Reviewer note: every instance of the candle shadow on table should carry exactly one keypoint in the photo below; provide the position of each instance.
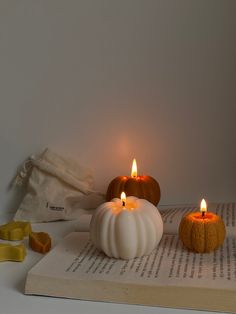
(20, 285)
(23, 268)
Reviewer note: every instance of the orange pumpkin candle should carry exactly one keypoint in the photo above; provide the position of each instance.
(202, 231)
(144, 187)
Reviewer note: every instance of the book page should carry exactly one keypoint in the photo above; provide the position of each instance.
(170, 264)
(172, 216)
(227, 211)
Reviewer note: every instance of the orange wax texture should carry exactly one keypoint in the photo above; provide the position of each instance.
(144, 187)
(15, 230)
(202, 234)
(40, 242)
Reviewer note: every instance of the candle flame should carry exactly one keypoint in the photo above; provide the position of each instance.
(123, 198)
(203, 207)
(134, 172)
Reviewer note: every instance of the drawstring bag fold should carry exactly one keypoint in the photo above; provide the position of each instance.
(56, 188)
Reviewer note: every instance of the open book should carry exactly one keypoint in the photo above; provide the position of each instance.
(170, 276)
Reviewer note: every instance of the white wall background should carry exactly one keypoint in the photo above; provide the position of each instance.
(108, 80)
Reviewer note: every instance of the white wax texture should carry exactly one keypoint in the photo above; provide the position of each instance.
(126, 231)
(116, 204)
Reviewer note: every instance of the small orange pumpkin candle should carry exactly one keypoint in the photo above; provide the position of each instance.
(202, 231)
(145, 187)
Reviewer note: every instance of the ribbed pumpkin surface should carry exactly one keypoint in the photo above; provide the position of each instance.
(142, 187)
(202, 235)
(126, 234)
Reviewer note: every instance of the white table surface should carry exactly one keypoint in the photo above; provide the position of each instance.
(13, 275)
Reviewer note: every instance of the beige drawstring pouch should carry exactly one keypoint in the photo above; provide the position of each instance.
(56, 188)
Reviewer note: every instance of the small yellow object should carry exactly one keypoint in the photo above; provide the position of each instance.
(9, 252)
(15, 230)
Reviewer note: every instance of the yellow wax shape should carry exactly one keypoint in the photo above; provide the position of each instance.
(15, 230)
(9, 252)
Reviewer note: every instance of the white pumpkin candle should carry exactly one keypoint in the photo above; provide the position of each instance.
(126, 228)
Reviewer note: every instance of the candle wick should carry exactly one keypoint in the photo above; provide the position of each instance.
(203, 214)
(123, 203)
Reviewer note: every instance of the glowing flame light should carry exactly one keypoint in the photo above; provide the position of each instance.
(134, 172)
(203, 207)
(123, 198)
